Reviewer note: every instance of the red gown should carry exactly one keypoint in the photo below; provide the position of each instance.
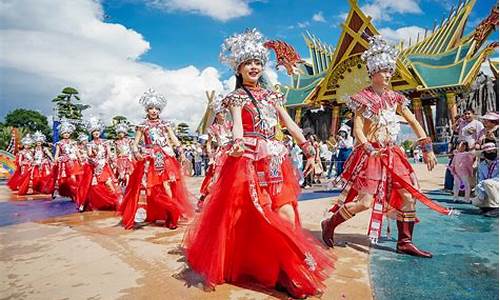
(21, 179)
(93, 193)
(239, 237)
(145, 196)
(124, 162)
(42, 172)
(385, 174)
(68, 169)
(222, 134)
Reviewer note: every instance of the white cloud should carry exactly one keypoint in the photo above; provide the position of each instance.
(222, 10)
(318, 17)
(303, 24)
(384, 9)
(100, 59)
(402, 34)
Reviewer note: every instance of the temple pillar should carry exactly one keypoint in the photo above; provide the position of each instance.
(298, 115)
(430, 123)
(335, 120)
(417, 111)
(442, 121)
(452, 106)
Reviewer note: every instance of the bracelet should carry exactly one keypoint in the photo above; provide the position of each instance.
(425, 144)
(308, 149)
(369, 148)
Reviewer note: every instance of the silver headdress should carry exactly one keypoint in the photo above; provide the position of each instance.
(121, 127)
(66, 127)
(94, 124)
(380, 56)
(82, 137)
(216, 104)
(38, 136)
(27, 140)
(242, 47)
(151, 98)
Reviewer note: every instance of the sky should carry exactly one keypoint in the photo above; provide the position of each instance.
(112, 51)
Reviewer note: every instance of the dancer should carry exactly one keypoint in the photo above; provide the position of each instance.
(67, 158)
(124, 159)
(21, 179)
(42, 172)
(156, 189)
(83, 140)
(378, 174)
(249, 231)
(97, 190)
(220, 133)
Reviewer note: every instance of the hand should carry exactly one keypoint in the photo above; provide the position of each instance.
(236, 150)
(430, 160)
(310, 164)
(138, 156)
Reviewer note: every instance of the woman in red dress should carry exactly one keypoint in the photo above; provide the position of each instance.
(219, 132)
(249, 231)
(156, 190)
(42, 172)
(97, 189)
(377, 174)
(124, 160)
(68, 168)
(21, 179)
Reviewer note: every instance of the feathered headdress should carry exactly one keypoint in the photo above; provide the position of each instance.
(380, 56)
(121, 127)
(94, 124)
(66, 127)
(38, 136)
(151, 98)
(27, 140)
(242, 47)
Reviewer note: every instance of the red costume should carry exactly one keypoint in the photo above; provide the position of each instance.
(222, 135)
(94, 190)
(145, 197)
(239, 236)
(124, 162)
(21, 179)
(68, 169)
(42, 171)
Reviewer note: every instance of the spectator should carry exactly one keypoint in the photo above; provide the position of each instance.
(489, 134)
(297, 160)
(197, 158)
(324, 154)
(344, 143)
(318, 169)
(487, 187)
(416, 155)
(461, 168)
(470, 130)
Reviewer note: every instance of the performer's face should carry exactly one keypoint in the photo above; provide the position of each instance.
(251, 70)
(121, 135)
(65, 135)
(220, 116)
(382, 78)
(96, 134)
(38, 143)
(27, 146)
(153, 112)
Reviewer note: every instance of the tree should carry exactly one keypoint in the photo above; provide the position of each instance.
(67, 108)
(30, 120)
(109, 131)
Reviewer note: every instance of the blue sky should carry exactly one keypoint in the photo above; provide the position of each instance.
(114, 50)
(180, 38)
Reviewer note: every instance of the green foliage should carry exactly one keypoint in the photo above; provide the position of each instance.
(407, 145)
(6, 134)
(28, 120)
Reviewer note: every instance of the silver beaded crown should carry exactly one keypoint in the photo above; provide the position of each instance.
(242, 47)
(380, 56)
(27, 140)
(151, 98)
(121, 127)
(82, 137)
(94, 124)
(66, 127)
(38, 136)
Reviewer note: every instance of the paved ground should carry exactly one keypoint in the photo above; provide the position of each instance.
(88, 256)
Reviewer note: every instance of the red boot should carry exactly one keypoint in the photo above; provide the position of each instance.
(328, 226)
(405, 244)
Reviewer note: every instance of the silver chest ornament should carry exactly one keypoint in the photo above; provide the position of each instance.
(269, 118)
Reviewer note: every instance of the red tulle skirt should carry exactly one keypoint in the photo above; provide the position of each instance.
(43, 179)
(93, 192)
(214, 169)
(124, 166)
(157, 203)
(20, 180)
(13, 182)
(207, 180)
(68, 178)
(240, 238)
